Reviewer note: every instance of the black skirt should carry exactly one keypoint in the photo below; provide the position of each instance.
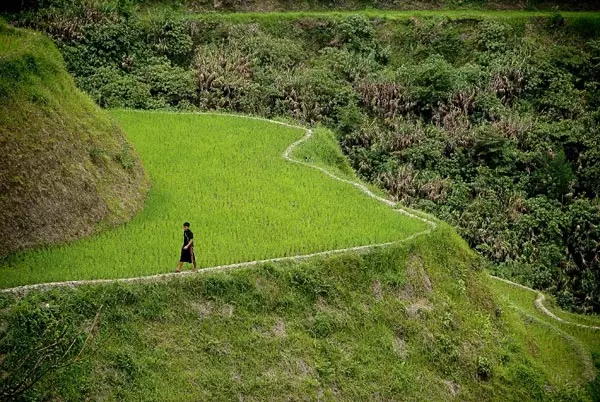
(186, 255)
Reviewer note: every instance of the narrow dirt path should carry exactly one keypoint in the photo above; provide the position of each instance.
(539, 304)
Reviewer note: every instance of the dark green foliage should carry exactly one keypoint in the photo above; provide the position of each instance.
(172, 85)
(484, 368)
(172, 39)
(38, 343)
(493, 37)
(111, 87)
(424, 37)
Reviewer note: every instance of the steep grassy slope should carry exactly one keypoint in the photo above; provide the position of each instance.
(557, 336)
(227, 176)
(412, 322)
(66, 168)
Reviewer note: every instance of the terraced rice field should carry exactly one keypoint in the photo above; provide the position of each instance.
(228, 177)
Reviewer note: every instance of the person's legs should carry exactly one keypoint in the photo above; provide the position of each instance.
(194, 260)
(178, 269)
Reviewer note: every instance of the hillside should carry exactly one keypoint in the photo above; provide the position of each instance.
(315, 286)
(410, 322)
(415, 320)
(488, 120)
(66, 170)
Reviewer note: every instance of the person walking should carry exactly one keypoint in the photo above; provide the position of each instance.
(187, 250)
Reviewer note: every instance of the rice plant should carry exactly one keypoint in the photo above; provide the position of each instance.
(226, 175)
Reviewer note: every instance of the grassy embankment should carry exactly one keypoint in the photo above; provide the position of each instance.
(556, 336)
(411, 322)
(66, 169)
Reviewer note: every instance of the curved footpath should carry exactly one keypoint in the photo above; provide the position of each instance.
(539, 304)
(20, 290)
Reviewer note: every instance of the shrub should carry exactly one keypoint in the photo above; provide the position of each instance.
(271, 52)
(556, 20)
(346, 65)
(171, 38)
(493, 36)
(170, 84)
(435, 81)
(583, 243)
(350, 117)
(312, 95)
(553, 176)
(589, 159)
(223, 77)
(355, 33)
(111, 45)
(429, 36)
(386, 100)
(484, 368)
(38, 342)
(111, 87)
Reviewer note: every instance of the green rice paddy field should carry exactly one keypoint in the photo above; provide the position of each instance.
(227, 176)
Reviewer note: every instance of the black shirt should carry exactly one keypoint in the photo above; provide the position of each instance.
(187, 236)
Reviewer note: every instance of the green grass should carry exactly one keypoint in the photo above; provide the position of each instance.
(585, 319)
(275, 17)
(225, 175)
(324, 151)
(349, 327)
(558, 359)
(525, 300)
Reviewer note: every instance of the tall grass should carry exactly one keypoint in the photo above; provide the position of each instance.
(225, 175)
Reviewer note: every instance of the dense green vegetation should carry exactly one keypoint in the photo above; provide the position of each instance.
(66, 170)
(410, 322)
(312, 5)
(418, 320)
(489, 123)
(226, 175)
